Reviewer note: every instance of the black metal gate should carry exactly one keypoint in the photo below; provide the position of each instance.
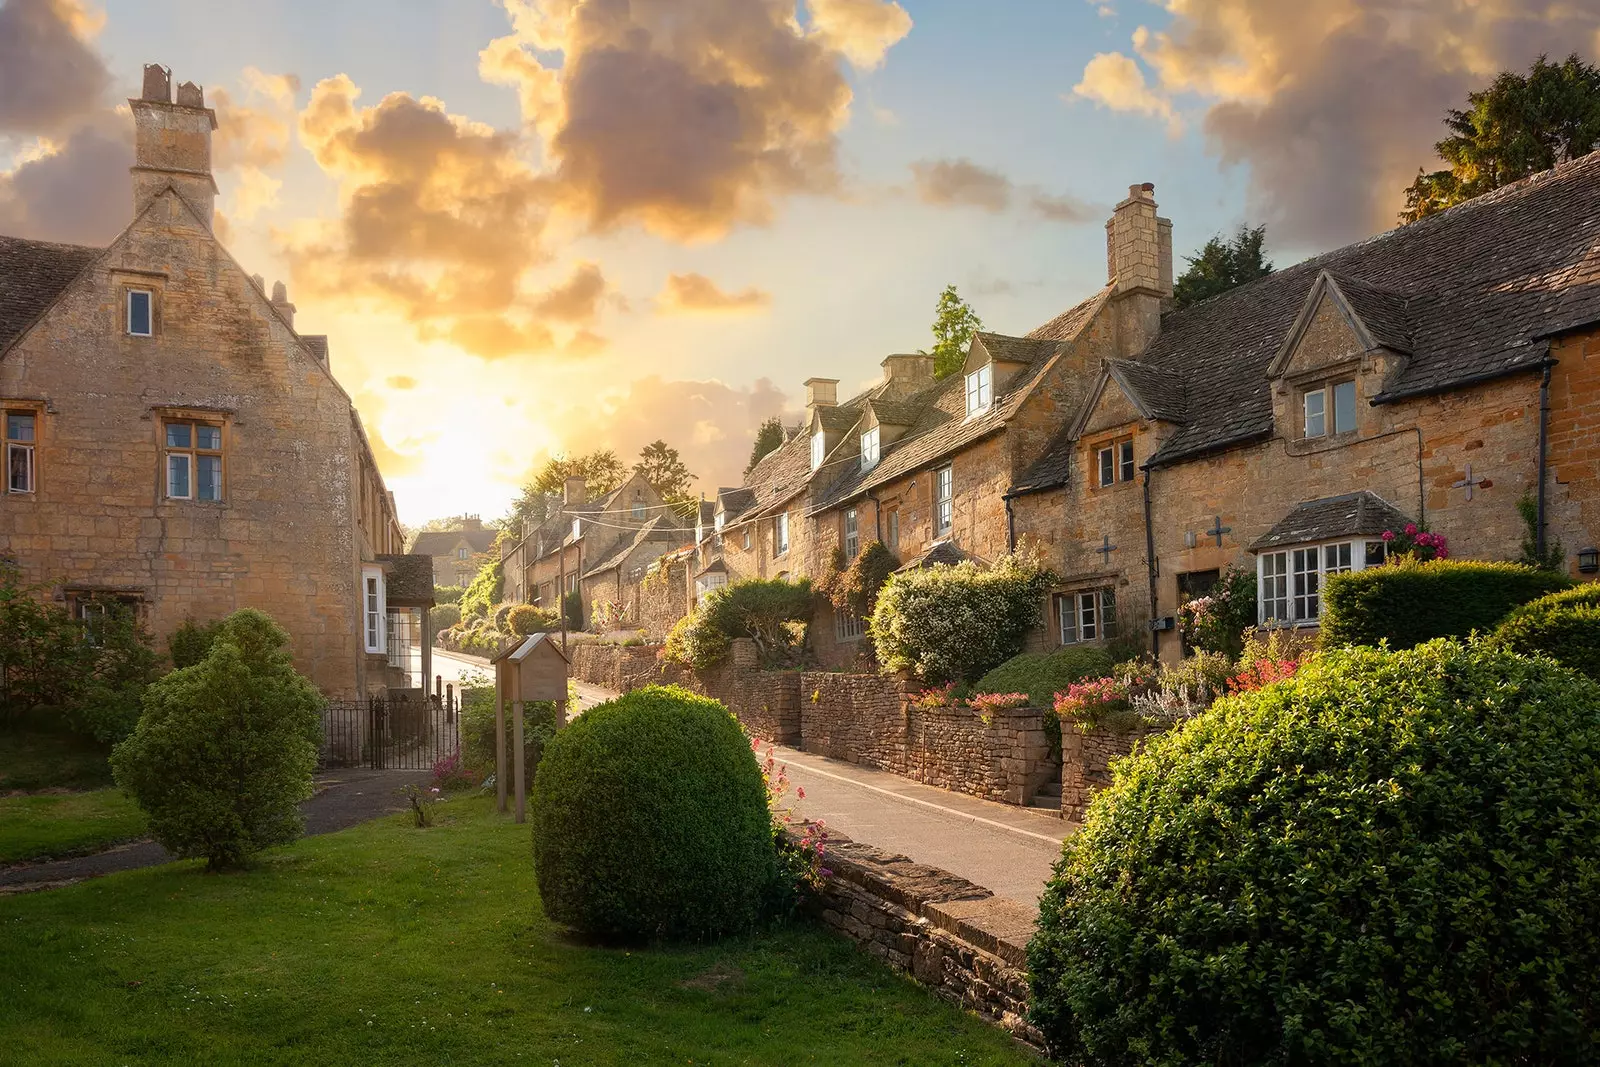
(404, 731)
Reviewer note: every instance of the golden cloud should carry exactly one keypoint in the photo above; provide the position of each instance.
(50, 78)
(1334, 104)
(688, 294)
(963, 183)
(861, 30)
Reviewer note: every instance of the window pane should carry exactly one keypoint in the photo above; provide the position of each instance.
(1375, 553)
(1344, 407)
(1336, 558)
(178, 435)
(1087, 617)
(19, 468)
(19, 427)
(894, 529)
(1316, 421)
(138, 312)
(208, 437)
(1126, 457)
(1307, 583)
(210, 477)
(178, 477)
(1274, 593)
(1067, 613)
(1107, 466)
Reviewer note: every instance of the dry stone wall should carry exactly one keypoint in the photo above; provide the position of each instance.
(1086, 759)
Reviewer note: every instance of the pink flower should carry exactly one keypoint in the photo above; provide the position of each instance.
(1443, 553)
(1411, 529)
(1388, 535)
(800, 791)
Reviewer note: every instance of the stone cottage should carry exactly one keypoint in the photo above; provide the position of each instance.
(173, 442)
(458, 553)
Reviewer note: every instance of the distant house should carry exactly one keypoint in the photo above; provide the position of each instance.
(458, 554)
(173, 442)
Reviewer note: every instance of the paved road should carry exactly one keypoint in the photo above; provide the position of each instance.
(344, 798)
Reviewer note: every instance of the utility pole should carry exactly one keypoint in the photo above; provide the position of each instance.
(561, 582)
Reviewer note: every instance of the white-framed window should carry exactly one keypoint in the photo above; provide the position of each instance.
(1289, 581)
(141, 316)
(719, 521)
(847, 627)
(638, 507)
(894, 528)
(463, 553)
(943, 500)
(819, 449)
(193, 460)
(373, 610)
(1125, 460)
(747, 538)
(852, 533)
(577, 529)
(1086, 616)
(980, 389)
(1329, 409)
(869, 449)
(780, 533)
(707, 582)
(21, 436)
(1113, 463)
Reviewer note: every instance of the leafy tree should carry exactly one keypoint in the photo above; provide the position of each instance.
(664, 469)
(768, 438)
(1223, 264)
(953, 326)
(600, 470)
(1519, 125)
(224, 751)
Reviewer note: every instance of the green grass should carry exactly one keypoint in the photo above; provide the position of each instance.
(388, 944)
(41, 758)
(49, 825)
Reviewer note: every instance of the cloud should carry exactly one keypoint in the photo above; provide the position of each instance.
(50, 78)
(695, 293)
(575, 300)
(400, 381)
(688, 119)
(1113, 80)
(1333, 105)
(76, 190)
(963, 183)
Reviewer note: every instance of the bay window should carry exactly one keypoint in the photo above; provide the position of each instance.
(1289, 581)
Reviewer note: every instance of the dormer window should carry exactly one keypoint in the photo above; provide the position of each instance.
(869, 449)
(141, 312)
(819, 448)
(980, 389)
(1329, 409)
(577, 528)
(1114, 463)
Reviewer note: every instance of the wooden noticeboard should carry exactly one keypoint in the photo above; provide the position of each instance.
(534, 670)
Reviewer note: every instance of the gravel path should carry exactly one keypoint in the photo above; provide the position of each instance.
(343, 799)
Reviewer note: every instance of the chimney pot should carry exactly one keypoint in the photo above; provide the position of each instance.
(191, 95)
(157, 83)
(280, 293)
(260, 282)
(822, 393)
(573, 491)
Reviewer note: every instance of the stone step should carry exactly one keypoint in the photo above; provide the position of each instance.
(1047, 800)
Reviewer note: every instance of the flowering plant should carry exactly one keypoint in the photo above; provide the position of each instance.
(449, 773)
(1216, 621)
(938, 697)
(986, 704)
(802, 858)
(1415, 543)
(1262, 673)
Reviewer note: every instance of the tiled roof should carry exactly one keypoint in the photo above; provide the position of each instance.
(1017, 349)
(408, 579)
(1159, 394)
(896, 412)
(32, 275)
(838, 419)
(657, 529)
(735, 501)
(940, 552)
(442, 542)
(1482, 284)
(943, 427)
(1360, 514)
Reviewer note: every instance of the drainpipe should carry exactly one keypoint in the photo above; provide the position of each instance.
(877, 517)
(1011, 525)
(1544, 448)
(1150, 566)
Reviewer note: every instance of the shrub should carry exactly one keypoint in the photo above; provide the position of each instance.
(572, 608)
(954, 623)
(854, 588)
(500, 616)
(1407, 602)
(772, 612)
(1217, 621)
(1384, 859)
(486, 589)
(189, 643)
(118, 666)
(1044, 674)
(477, 732)
(1564, 626)
(525, 619)
(444, 616)
(448, 594)
(1553, 557)
(224, 751)
(650, 821)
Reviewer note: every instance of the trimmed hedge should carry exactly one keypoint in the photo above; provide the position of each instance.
(1406, 603)
(1564, 626)
(650, 821)
(1386, 859)
(1044, 674)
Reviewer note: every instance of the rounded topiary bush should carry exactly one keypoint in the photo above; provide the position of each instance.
(1564, 626)
(525, 619)
(1388, 858)
(650, 821)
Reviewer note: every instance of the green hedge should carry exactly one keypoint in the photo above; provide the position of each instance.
(1044, 674)
(1564, 626)
(1407, 603)
(772, 612)
(1388, 858)
(650, 821)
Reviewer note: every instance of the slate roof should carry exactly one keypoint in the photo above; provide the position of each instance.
(443, 542)
(943, 427)
(32, 275)
(1017, 349)
(940, 552)
(657, 529)
(838, 419)
(408, 579)
(1159, 393)
(734, 501)
(896, 412)
(1360, 514)
(1473, 290)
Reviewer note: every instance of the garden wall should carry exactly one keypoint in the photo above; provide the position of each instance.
(958, 938)
(1086, 758)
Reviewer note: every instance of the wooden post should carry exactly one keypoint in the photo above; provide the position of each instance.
(561, 588)
(521, 769)
(500, 750)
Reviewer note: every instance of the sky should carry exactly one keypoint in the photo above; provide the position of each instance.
(541, 227)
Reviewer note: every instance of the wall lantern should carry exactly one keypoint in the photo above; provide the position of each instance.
(1588, 560)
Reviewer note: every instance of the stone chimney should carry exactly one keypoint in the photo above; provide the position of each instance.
(907, 375)
(280, 300)
(821, 393)
(172, 143)
(1139, 265)
(471, 522)
(572, 492)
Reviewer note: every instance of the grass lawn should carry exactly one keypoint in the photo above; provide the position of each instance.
(33, 758)
(48, 825)
(388, 944)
